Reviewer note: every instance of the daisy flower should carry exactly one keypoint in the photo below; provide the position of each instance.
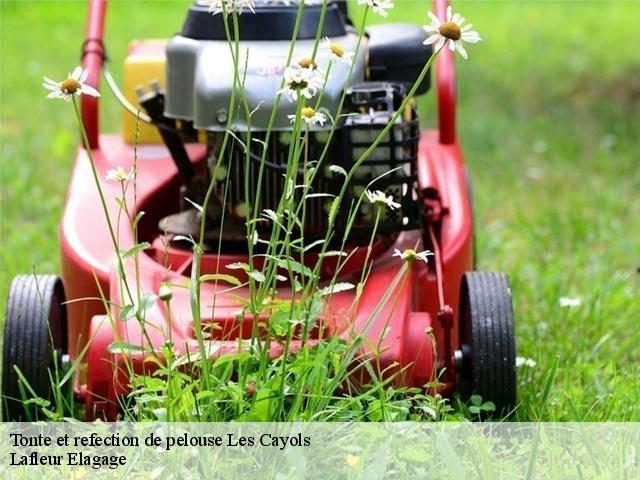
(301, 81)
(305, 61)
(228, 6)
(378, 6)
(381, 199)
(164, 293)
(525, 362)
(351, 460)
(118, 174)
(410, 255)
(310, 116)
(568, 302)
(74, 84)
(336, 52)
(450, 31)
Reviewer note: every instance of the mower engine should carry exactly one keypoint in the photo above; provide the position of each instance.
(200, 71)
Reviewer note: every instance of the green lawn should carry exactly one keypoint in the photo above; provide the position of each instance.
(549, 115)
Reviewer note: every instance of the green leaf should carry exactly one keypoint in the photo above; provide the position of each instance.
(124, 348)
(238, 266)
(136, 220)
(476, 400)
(161, 414)
(336, 288)
(319, 195)
(257, 276)
(334, 209)
(221, 278)
(183, 238)
(474, 410)
(279, 322)
(194, 204)
(313, 245)
(296, 267)
(147, 301)
(338, 169)
(128, 312)
(136, 249)
(204, 394)
(488, 406)
(262, 405)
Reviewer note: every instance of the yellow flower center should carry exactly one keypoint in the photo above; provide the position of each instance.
(306, 62)
(450, 30)
(70, 86)
(308, 112)
(337, 50)
(409, 255)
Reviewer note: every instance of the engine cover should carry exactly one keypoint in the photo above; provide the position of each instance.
(200, 77)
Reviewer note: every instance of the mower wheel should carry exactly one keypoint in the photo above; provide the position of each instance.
(35, 337)
(487, 355)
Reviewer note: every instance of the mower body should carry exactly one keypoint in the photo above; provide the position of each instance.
(403, 336)
(399, 337)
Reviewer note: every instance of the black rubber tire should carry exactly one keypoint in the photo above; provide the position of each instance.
(35, 332)
(487, 339)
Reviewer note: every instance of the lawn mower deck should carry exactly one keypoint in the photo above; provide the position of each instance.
(442, 317)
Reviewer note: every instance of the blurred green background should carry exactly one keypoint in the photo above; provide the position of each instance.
(549, 121)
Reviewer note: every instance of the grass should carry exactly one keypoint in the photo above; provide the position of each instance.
(548, 119)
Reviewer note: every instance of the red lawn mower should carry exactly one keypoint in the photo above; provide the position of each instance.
(183, 87)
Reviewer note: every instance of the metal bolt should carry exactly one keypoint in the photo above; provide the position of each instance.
(222, 115)
(155, 85)
(458, 357)
(140, 91)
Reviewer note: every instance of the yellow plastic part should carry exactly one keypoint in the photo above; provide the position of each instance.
(144, 64)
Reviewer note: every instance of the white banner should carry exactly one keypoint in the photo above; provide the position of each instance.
(320, 450)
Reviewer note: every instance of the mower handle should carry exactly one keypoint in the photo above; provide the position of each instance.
(93, 54)
(446, 85)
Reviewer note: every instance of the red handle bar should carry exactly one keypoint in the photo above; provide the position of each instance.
(93, 56)
(446, 85)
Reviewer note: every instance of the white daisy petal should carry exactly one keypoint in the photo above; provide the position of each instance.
(471, 37)
(431, 39)
(381, 199)
(434, 20)
(461, 49)
(378, 6)
(89, 90)
(76, 73)
(83, 77)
